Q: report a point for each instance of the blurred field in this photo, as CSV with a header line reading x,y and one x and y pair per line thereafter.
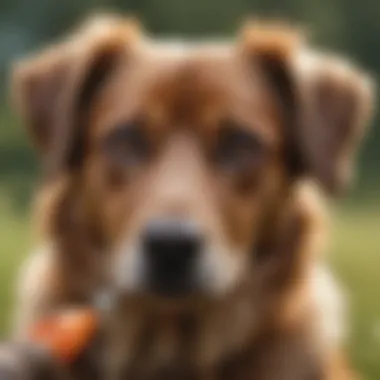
x,y
355,256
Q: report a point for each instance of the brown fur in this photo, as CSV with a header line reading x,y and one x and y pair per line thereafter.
x,y
265,325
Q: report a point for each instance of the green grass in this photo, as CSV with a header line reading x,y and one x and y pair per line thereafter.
x,y
13,244
355,256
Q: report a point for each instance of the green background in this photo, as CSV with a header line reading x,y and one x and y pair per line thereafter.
x,y
349,26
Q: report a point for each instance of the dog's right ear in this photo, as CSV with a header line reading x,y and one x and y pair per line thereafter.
x,y
51,90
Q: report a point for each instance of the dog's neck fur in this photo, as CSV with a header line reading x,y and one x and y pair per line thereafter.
x,y
149,343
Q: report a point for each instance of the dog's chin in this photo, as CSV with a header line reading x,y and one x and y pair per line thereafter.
x,y
147,298
165,296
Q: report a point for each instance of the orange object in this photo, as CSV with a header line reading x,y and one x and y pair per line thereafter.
x,y
66,334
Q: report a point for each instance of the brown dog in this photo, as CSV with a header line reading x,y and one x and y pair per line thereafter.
x,y
178,177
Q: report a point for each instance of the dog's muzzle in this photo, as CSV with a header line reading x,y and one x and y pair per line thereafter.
x,y
171,250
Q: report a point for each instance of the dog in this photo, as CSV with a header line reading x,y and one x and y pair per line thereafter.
x,y
187,182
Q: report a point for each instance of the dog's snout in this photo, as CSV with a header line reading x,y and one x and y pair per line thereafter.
x,y
171,248
172,239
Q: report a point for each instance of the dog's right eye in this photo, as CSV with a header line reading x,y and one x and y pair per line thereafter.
x,y
127,145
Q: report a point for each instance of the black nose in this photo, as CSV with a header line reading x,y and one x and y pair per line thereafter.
x,y
171,248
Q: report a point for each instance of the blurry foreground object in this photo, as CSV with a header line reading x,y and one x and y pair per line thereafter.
x,y
65,335
53,345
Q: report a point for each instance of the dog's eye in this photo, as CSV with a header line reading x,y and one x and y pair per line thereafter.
x,y
127,145
237,149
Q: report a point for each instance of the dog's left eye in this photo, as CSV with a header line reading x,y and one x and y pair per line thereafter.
x,y
127,145
236,149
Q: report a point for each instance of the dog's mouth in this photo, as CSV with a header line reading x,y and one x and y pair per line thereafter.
x,y
164,262
173,280
172,260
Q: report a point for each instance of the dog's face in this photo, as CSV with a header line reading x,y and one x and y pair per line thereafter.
x,y
179,155
183,154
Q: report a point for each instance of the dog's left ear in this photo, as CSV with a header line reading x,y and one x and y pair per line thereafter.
x,y
338,106
326,103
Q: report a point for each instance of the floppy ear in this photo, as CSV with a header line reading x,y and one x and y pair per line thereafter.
x,y
53,90
325,103
338,105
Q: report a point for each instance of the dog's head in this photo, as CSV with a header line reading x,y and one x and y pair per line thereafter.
x,y
174,156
